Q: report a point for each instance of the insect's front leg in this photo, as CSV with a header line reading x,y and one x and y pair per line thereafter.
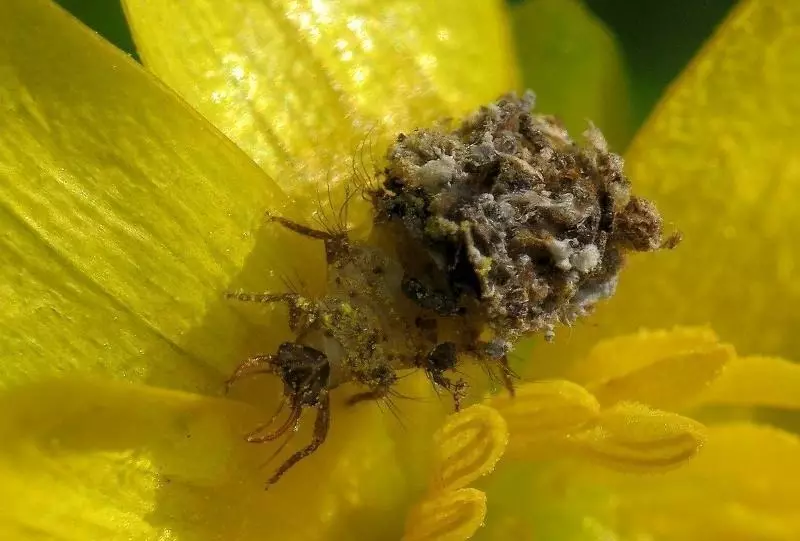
x,y
321,427
261,363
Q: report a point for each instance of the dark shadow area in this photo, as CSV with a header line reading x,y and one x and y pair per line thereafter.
x,y
658,40
106,18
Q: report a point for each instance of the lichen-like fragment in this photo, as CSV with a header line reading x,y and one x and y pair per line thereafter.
x,y
522,225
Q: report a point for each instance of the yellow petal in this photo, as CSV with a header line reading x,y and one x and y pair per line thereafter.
x,y
664,369
453,515
757,381
742,486
573,63
633,437
122,222
721,157
761,462
298,84
626,354
85,460
543,413
468,446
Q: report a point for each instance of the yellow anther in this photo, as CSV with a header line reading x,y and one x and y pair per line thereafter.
x,y
468,446
453,515
544,413
633,437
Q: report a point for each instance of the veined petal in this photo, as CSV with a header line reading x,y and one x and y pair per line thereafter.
x,y
633,437
299,84
757,381
124,214
664,369
721,157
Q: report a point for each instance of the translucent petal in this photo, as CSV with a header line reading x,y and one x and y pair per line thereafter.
x,y
757,381
574,65
664,369
543,414
121,226
299,84
453,515
721,157
468,446
633,437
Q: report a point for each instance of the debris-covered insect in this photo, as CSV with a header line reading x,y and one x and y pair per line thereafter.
x,y
484,232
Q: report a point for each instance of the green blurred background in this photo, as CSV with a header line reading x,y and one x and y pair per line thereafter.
x,y
607,60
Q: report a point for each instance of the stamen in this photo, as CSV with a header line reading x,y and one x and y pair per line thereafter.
x,y
454,515
635,438
544,413
468,446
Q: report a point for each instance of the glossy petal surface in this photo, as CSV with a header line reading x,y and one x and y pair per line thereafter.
x,y
299,84
112,250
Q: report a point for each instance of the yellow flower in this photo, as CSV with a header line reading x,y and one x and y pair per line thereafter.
x,y
126,215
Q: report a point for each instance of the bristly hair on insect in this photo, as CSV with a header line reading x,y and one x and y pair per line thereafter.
x,y
501,224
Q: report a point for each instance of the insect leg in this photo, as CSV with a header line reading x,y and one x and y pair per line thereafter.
x,y
456,388
373,394
335,242
508,375
494,357
291,299
266,298
301,229
320,433
290,421
243,370
442,358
